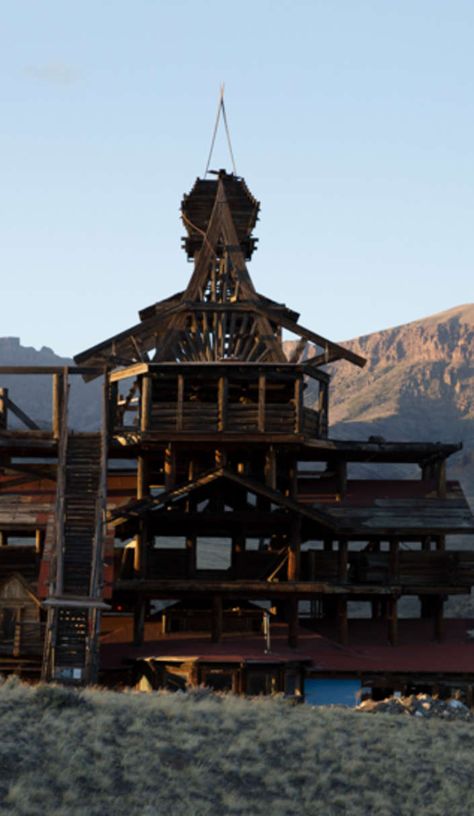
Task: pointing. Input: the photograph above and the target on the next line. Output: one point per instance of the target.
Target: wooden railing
(416, 568)
(203, 417)
(26, 640)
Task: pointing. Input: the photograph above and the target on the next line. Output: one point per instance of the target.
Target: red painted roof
(368, 649)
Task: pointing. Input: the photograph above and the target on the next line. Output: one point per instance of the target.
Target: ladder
(75, 598)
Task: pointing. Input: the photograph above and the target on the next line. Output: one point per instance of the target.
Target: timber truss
(219, 316)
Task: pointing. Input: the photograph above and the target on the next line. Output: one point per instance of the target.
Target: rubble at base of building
(419, 705)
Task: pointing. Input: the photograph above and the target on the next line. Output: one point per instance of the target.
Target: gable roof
(16, 577)
(219, 315)
(150, 504)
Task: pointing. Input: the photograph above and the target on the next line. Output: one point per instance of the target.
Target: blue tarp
(331, 692)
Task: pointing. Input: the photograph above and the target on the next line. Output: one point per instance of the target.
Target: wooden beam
(336, 351)
(248, 588)
(22, 416)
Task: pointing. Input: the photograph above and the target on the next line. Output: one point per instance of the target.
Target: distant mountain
(418, 384)
(33, 393)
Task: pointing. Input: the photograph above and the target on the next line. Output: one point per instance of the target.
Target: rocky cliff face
(418, 384)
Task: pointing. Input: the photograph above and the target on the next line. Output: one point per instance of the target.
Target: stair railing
(98, 544)
(57, 565)
(61, 491)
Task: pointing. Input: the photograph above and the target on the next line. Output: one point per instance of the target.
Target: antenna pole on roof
(221, 110)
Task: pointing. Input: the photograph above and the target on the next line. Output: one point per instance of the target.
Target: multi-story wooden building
(208, 446)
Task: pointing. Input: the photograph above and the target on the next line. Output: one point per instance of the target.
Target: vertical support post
(392, 619)
(323, 409)
(179, 403)
(112, 397)
(426, 543)
(222, 402)
(58, 394)
(3, 409)
(3, 539)
(376, 609)
(270, 468)
(299, 404)
(293, 477)
(394, 560)
(141, 541)
(294, 548)
(217, 619)
(39, 542)
(341, 476)
(139, 621)
(191, 551)
(238, 547)
(441, 478)
(170, 466)
(342, 560)
(293, 623)
(262, 387)
(440, 543)
(438, 604)
(342, 623)
(145, 402)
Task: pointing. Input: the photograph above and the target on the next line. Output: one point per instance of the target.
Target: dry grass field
(100, 753)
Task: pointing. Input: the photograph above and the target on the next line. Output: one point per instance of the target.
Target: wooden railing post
(58, 394)
(146, 400)
(222, 403)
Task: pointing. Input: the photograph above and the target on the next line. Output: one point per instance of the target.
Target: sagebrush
(101, 753)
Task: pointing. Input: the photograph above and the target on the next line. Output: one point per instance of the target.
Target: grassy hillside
(99, 753)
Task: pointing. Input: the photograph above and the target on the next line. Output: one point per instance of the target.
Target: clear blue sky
(352, 122)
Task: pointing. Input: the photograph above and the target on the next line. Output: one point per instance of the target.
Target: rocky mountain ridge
(418, 384)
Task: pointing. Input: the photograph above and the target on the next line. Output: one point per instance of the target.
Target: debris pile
(419, 705)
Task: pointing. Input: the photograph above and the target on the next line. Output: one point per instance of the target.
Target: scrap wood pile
(418, 705)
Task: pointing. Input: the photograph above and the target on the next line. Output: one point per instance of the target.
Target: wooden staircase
(74, 603)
